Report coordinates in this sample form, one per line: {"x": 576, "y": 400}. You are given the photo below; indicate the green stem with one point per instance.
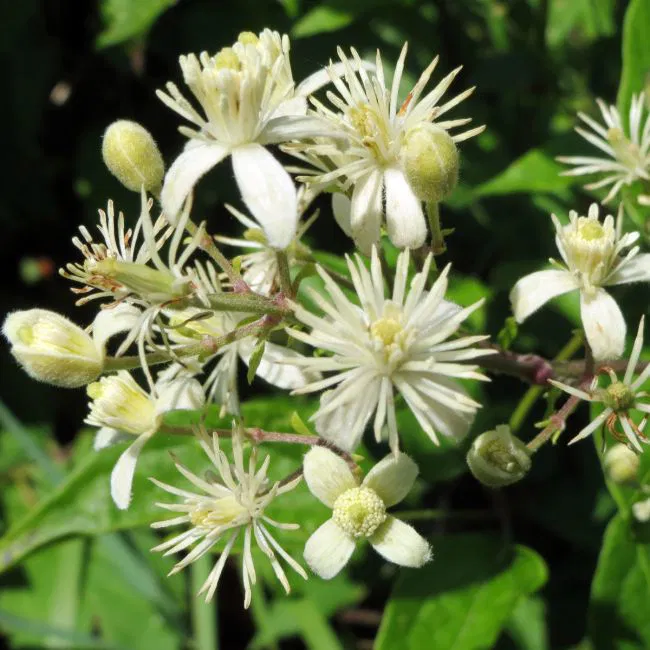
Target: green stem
{"x": 285, "y": 275}
{"x": 204, "y": 615}
{"x": 438, "y": 245}
{"x": 209, "y": 246}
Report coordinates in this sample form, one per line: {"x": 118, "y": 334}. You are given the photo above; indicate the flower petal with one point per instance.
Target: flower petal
{"x": 401, "y": 544}
{"x": 536, "y": 289}
{"x": 268, "y": 192}
{"x": 109, "y": 322}
{"x": 275, "y": 366}
{"x": 635, "y": 270}
{"x": 392, "y": 478}
{"x": 122, "y": 474}
{"x": 604, "y": 325}
{"x": 327, "y": 475}
{"x": 366, "y": 211}
{"x": 341, "y": 209}
{"x": 405, "y": 222}
{"x": 185, "y": 172}
{"x": 328, "y": 550}
{"x": 106, "y": 436}
{"x": 288, "y": 124}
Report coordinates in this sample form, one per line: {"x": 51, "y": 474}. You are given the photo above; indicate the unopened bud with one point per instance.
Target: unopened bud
{"x": 497, "y": 458}
{"x": 621, "y": 464}
{"x": 53, "y": 349}
{"x": 430, "y": 159}
{"x": 132, "y": 156}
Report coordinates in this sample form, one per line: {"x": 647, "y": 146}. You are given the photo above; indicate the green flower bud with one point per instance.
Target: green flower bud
{"x": 430, "y": 160}
{"x": 621, "y": 464}
{"x": 132, "y": 156}
{"x": 497, "y": 458}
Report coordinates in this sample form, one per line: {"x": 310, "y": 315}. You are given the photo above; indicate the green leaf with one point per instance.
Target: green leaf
{"x": 636, "y": 54}
{"x": 463, "y": 598}
{"x": 256, "y": 358}
{"x": 620, "y": 592}
{"x": 579, "y": 20}
{"x": 527, "y": 626}
{"x": 82, "y": 504}
{"x": 535, "y": 171}
{"x": 124, "y": 616}
{"x": 322, "y": 19}
{"x": 128, "y": 19}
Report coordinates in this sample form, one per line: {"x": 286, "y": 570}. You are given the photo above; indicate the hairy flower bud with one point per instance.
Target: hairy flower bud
{"x": 497, "y": 458}
{"x": 621, "y": 464}
{"x": 430, "y": 159}
{"x": 132, "y": 156}
{"x": 53, "y": 349}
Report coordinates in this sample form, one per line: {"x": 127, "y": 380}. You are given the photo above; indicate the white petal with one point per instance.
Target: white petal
{"x": 327, "y": 475}
{"x": 328, "y": 550}
{"x": 604, "y": 325}
{"x": 275, "y": 366}
{"x": 341, "y": 209}
{"x": 406, "y": 225}
{"x": 287, "y": 124}
{"x": 401, "y": 544}
{"x": 392, "y": 478}
{"x": 122, "y": 474}
{"x": 636, "y": 270}
{"x": 185, "y": 172}
{"x": 105, "y": 437}
{"x": 109, "y": 322}
{"x": 366, "y": 211}
{"x": 181, "y": 393}
{"x": 536, "y": 289}
{"x": 268, "y": 192}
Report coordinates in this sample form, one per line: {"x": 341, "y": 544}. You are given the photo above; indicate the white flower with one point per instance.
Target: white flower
{"x": 117, "y": 243}
{"x": 226, "y": 507}
{"x": 359, "y": 511}
{"x": 593, "y": 258}
{"x": 249, "y": 100}
{"x": 388, "y": 344}
{"x": 276, "y": 366}
{"x": 119, "y": 406}
{"x": 53, "y": 349}
{"x": 377, "y": 131}
{"x": 619, "y": 398}
{"x": 628, "y": 155}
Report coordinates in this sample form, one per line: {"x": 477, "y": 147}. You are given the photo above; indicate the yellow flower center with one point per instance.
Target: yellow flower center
{"x": 626, "y": 152}
{"x": 220, "y": 512}
{"x": 386, "y": 330}
{"x": 248, "y": 38}
{"x": 591, "y": 230}
{"x": 226, "y": 59}
{"x": 618, "y": 396}
{"x": 359, "y": 511}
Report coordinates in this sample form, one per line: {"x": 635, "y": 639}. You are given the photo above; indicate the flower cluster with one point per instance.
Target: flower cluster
{"x": 371, "y": 339}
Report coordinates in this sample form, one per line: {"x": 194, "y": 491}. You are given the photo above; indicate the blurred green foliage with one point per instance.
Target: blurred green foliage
{"x": 512, "y": 569}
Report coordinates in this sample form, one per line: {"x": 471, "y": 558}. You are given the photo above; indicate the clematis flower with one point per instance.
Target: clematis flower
{"x": 594, "y": 258}
{"x": 249, "y": 100}
{"x": 359, "y": 512}
{"x": 627, "y": 152}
